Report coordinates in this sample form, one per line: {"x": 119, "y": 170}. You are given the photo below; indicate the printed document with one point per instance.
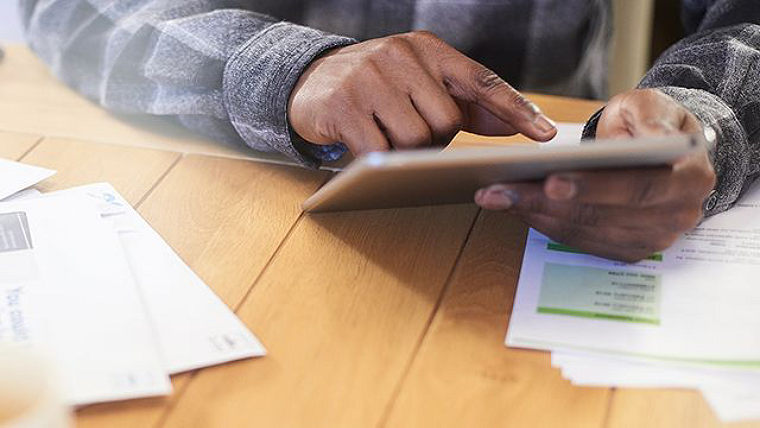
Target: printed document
{"x": 688, "y": 317}
{"x": 698, "y": 301}
{"x": 65, "y": 286}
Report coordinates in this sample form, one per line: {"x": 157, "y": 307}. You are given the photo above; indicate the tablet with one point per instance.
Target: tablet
{"x": 432, "y": 177}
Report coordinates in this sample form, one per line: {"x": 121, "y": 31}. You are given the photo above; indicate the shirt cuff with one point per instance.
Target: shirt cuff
{"x": 730, "y": 155}
{"x": 258, "y": 81}
{"x": 589, "y": 130}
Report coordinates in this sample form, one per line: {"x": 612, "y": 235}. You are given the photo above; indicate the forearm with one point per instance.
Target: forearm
{"x": 715, "y": 74}
{"x": 224, "y": 72}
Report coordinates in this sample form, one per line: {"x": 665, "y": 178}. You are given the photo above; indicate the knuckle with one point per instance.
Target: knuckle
{"x": 424, "y": 36}
{"x": 584, "y": 214}
{"x": 365, "y": 68}
{"x": 489, "y": 84}
{"x": 327, "y": 128}
{"x": 394, "y": 47}
{"x": 486, "y": 81}
{"x": 568, "y": 234}
{"x": 369, "y": 76}
{"x": 536, "y": 205}
{"x": 644, "y": 192}
{"x": 517, "y": 100}
{"x": 335, "y": 98}
{"x": 414, "y": 138}
{"x": 453, "y": 121}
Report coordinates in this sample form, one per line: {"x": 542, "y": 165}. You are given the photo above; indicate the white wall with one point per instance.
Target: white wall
{"x": 10, "y": 27}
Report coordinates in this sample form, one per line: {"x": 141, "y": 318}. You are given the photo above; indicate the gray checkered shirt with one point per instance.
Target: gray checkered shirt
{"x": 226, "y": 68}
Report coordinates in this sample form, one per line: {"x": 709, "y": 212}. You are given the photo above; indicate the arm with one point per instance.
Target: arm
{"x": 233, "y": 72}
{"x": 226, "y": 73}
{"x": 715, "y": 74}
{"x": 710, "y": 78}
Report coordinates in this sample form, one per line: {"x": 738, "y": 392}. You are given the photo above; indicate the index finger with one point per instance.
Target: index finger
{"x": 472, "y": 82}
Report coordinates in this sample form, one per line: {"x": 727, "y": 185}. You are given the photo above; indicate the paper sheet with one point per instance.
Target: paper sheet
{"x": 24, "y": 194}
{"x": 685, "y": 318}
{"x": 568, "y": 133}
{"x": 609, "y": 370}
{"x": 669, "y": 306}
{"x": 194, "y": 327}
{"x": 66, "y": 286}
{"x": 15, "y": 177}
{"x": 733, "y": 394}
{"x": 733, "y": 404}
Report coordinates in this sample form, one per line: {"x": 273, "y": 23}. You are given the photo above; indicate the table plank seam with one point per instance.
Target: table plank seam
{"x": 415, "y": 352}
{"x": 607, "y": 421}
{"x": 274, "y": 254}
{"x": 81, "y": 139}
{"x": 177, "y": 395}
{"x": 174, "y": 399}
{"x": 159, "y": 180}
{"x": 32, "y": 147}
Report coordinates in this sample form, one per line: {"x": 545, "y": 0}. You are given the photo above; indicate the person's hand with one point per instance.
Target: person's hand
{"x": 619, "y": 214}
{"x": 406, "y": 91}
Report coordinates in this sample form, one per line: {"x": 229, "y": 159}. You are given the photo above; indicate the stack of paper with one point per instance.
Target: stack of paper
{"x": 83, "y": 275}
{"x": 688, "y": 317}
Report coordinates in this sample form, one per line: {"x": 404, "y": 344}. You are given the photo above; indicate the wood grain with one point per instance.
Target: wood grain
{"x": 341, "y": 308}
{"x": 33, "y": 101}
{"x": 225, "y": 218}
{"x": 368, "y": 317}
{"x": 13, "y": 145}
{"x": 132, "y": 171}
{"x": 463, "y": 374}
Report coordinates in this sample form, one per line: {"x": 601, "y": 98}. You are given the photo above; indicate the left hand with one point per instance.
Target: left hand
{"x": 625, "y": 214}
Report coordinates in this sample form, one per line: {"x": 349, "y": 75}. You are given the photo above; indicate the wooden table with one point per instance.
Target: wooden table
{"x": 381, "y": 318}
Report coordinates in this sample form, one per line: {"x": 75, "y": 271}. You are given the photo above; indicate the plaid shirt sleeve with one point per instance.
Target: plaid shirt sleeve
{"x": 715, "y": 73}
{"x": 225, "y": 72}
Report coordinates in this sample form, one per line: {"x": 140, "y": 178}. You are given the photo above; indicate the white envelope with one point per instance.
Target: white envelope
{"x": 65, "y": 286}
{"x": 21, "y": 195}
{"x": 15, "y": 177}
{"x": 194, "y": 327}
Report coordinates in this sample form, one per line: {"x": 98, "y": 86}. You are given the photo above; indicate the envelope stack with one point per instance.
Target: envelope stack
{"x": 86, "y": 279}
{"x": 688, "y": 317}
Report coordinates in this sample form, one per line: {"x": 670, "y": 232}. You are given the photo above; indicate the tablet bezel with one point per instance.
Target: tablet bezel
{"x": 401, "y": 178}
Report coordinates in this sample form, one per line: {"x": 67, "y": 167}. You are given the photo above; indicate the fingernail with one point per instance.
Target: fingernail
{"x": 502, "y": 199}
{"x": 532, "y": 112}
{"x": 561, "y": 188}
{"x": 545, "y": 124}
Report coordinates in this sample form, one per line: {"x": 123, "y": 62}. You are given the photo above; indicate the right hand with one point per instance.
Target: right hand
{"x": 406, "y": 91}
